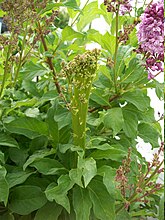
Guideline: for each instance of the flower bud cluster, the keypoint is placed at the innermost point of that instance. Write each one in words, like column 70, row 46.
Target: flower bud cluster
column 122, row 174
column 124, row 35
column 82, row 69
column 151, row 37
column 123, row 6
column 145, row 184
column 21, row 18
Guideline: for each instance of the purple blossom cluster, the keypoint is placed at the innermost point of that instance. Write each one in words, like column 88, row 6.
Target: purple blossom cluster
column 151, row 37
column 123, row 6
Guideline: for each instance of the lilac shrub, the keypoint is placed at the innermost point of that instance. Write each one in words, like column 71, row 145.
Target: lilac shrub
column 151, row 37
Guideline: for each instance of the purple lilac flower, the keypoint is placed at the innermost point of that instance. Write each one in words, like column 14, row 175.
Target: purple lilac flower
column 125, row 7
column 151, row 37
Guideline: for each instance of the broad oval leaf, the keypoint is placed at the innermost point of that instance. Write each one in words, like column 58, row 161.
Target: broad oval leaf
column 149, row 134
column 4, row 187
column 112, row 154
column 6, row 140
column 26, row 199
column 59, row 193
column 29, row 127
column 50, row 211
column 48, row 166
column 137, row 98
column 103, row 203
column 81, row 203
column 114, row 120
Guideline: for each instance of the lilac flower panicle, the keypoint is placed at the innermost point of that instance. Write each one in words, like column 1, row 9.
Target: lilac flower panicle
column 151, row 37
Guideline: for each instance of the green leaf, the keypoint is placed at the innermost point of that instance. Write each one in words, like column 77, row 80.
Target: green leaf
column 31, row 70
column 137, row 98
column 2, row 159
column 112, row 154
column 89, row 169
column 159, row 90
column 161, row 208
column 29, row 127
column 81, row 203
column 109, row 42
column 6, row 140
column 48, row 166
column 103, row 203
column 92, row 10
column 53, row 126
column 7, row 216
column 18, row 156
column 98, row 97
column 108, row 174
column 4, row 187
column 26, row 199
column 130, row 125
column 114, row 120
column 76, row 176
column 31, row 87
column 17, row 178
column 50, row 211
column 59, row 193
column 69, row 34
column 123, row 53
column 71, row 4
column 37, row 156
column 148, row 133
column 124, row 215
column 134, row 72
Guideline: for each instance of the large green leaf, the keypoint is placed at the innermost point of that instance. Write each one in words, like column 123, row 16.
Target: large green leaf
column 103, row 203
column 123, row 53
column 123, row 214
column 134, row 72
column 37, row 156
column 4, row 187
column 7, row 216
column 149, row 134
column 82, row 203
column 29, row 127
column 31, row 70
column 53, row 126
column 137, row 98
column 98, row 97
column 26, row 199
column 112, row 154
column 48, row 166
column 59, row 193
column 130, row 125
column 90, row 12
column 50, row 211
column 17, row 177
column 89, row 169
column 108, row 174
column 161, row 208
column 76, row 176
column 6, row 140
column 71, row 4
column 69, row 34
column 2, row 159
column 114, row 119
